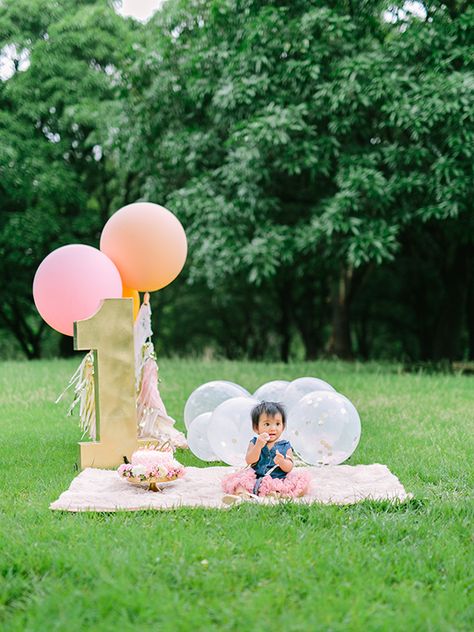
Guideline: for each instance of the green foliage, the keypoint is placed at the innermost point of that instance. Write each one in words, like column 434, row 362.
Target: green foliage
column 55, row 179
column 317, row 124
column 302, row 135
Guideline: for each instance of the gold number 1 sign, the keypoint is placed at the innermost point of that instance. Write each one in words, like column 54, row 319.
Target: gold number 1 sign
column 109, row 332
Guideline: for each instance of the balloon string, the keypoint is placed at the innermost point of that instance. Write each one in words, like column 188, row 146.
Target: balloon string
column 300, row 459
column 299, row 462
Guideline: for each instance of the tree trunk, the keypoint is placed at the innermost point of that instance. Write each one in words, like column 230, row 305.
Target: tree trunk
column 446, row 343
column 15, row 321
column 66, row 347
column 309, row 316
column 340, row 341
column 311, row 339
column 361, row 331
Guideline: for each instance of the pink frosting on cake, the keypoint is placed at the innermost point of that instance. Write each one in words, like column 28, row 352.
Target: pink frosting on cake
column 152, row 458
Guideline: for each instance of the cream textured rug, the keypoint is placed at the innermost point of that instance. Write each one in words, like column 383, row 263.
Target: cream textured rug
column 103, row 490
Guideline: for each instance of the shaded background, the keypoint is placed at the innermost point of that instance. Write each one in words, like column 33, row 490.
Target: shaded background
column 318, row 154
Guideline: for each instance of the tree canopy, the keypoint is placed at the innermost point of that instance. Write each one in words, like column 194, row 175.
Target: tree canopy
column 319, row 155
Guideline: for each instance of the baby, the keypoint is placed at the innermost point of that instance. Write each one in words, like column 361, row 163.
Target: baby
column 270, row 458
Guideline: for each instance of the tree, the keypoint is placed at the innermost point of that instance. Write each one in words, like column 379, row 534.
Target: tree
column 290, row 138
column 241, row 141
column 318, row 153
column 56, row 180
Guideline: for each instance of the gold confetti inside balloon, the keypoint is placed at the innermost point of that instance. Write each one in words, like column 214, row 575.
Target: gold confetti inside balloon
column 324, row 428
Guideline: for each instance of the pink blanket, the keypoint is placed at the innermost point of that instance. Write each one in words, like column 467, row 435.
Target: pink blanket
column 103, row 490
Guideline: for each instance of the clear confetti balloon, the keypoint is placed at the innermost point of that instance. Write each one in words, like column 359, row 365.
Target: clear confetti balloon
column 301, row 387
column 230, row 429
column 272, row 391
column 242, row 389
column 198, row 440
column 324, row 428
column 208, row 396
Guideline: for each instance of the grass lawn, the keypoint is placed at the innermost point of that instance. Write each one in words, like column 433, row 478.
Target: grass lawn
column 371, row 566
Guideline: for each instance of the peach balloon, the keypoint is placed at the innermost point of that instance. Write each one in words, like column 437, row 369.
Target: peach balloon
column 128, row 293
column 70, row 283
column 147, row 243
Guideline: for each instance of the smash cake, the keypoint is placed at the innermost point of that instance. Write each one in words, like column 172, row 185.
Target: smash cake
column 152, row 464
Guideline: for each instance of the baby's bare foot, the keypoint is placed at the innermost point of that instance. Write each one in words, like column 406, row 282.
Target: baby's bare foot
column 231, row 499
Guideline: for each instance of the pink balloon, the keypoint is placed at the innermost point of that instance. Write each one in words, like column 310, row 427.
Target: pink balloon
column 70, row 283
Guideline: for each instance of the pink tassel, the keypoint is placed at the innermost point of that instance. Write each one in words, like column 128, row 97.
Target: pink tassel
column 153, row 420
column 149, row 396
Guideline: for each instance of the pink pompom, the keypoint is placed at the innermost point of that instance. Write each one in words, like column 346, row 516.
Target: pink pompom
column 243, row 479
column 294, row 485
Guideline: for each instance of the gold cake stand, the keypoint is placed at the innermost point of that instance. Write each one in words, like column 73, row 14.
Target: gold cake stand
column 153, row 482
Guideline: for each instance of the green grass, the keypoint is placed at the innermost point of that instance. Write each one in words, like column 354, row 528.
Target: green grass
column 372, row 566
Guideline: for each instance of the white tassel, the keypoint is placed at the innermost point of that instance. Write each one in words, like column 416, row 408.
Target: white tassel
column 142, row 333
column 84, row 395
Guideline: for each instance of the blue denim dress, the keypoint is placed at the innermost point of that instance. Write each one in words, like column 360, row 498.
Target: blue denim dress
column 266, row 461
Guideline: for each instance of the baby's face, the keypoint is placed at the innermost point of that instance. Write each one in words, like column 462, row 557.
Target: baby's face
column 272, row 425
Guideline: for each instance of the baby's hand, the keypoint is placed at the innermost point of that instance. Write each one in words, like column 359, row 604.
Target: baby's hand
column 279, row 459
column 262, row 438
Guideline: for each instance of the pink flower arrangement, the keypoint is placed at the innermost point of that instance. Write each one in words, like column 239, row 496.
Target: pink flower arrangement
column 151, row 463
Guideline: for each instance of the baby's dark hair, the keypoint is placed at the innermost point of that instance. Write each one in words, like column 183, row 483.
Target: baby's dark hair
column 269, row 408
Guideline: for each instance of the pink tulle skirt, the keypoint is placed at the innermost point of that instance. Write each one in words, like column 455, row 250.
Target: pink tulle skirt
column 295, row 484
